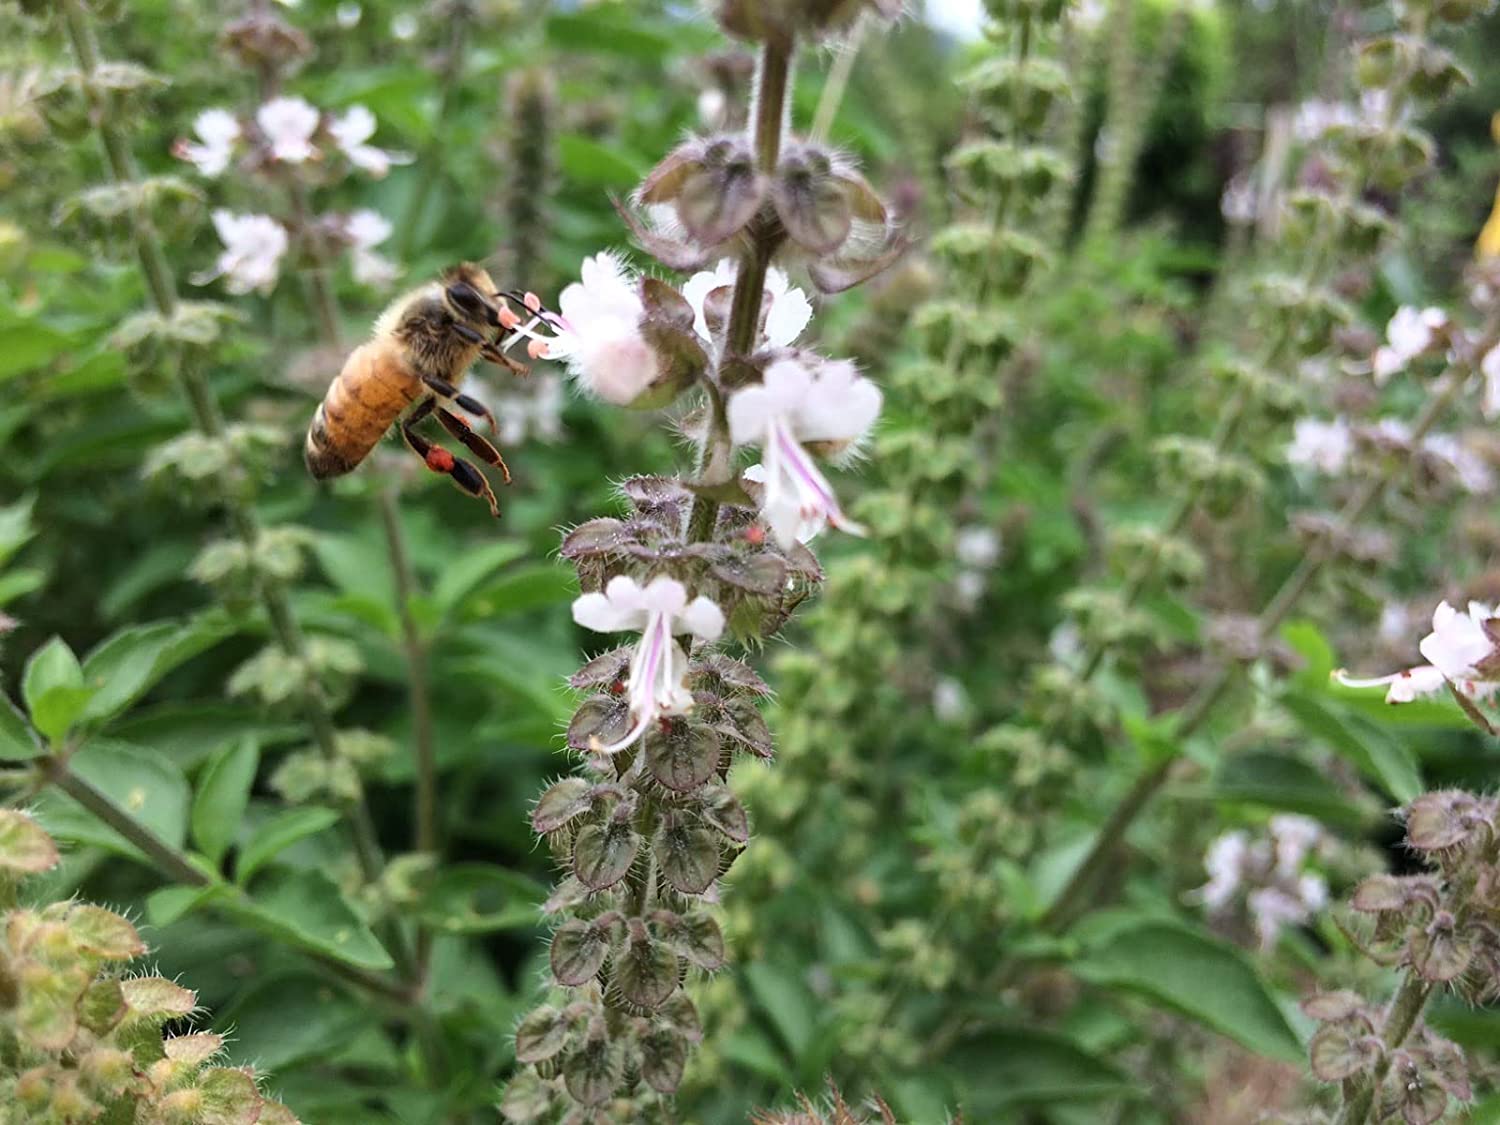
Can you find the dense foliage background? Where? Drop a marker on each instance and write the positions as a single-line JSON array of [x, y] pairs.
[[1001, 665]]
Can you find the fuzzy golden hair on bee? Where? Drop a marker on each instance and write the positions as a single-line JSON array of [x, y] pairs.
[[421, 347]]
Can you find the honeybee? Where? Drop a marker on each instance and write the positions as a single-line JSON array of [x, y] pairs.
[[420, 349]]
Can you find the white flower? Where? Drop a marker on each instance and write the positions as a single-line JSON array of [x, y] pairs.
[[351, 130], [1471, 471], [711, 105], [832, 404], [1225, 863], [1408, 335], [365, 230], [289, 124], [1459, 651], [1294, 837], [218, 130], [1272, 908], [660, 610], [1324, 446], [977, 547], [785, 308], [1489, 367], [253, 248], [969, 587], [1238, 204], [1395, 622], [809, 527], [530, 410], [599, 332], [348, 14], [404, 26], [950, 703]]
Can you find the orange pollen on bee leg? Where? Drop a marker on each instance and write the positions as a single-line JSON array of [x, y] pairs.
[[755, 535], [439, 460]]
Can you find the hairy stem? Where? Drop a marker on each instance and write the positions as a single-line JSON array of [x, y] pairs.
[[837, 83], [1400, 1018], [772, 89], [425, 818]]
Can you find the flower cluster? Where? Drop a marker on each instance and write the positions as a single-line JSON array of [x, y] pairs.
[[646, 829], [84, 1038], [1266, 875], [289, 137]]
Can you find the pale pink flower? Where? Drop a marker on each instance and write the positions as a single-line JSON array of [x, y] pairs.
[[1409, 333], [365, 230], [830, 404], [1324, 446], [253, 249], [785, 308], [1225, 863], [599, 332], [1459, 652], [660, 611], [351, 130], [217, 130], [289, 124]]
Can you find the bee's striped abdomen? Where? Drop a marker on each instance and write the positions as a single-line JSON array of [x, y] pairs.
[[370, 393]]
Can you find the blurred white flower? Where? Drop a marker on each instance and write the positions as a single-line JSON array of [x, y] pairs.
[[1459, 651], [351, 130], [1273, 908], [1238, 204], [660, 611], [831, 405], [599, 332], [969, 587], [289, 124], [1469, 468], [1324, 446], [950, 702], [1395, 622], [785, 308], [1409, 334], [1065, 645], [1225, 863], [253, 249], [365, 230], [348, 15], [404, 26], [1293, 837], [977, 547], [217, 130], [533, 411], [711, 105], [1489, 367]]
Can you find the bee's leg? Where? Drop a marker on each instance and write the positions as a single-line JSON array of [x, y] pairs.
[[473, 442], [489, 350], [470, 405], [439, 460]]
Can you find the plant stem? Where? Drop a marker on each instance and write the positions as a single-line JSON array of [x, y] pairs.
[[210, 421], [426, 830], [772, 88], [1400, 1018], [317, 278], [176, 865], [837, 82]]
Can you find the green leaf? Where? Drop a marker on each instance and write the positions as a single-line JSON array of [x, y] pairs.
[[276, 835], [460, 578], [1374, 752], [1308, 642], [18, 583], [786, 1002], [1280, 781], [125, 666], [598, 30], [17, 742], [1010, 1067], [356, 566], [290, 1019], [150, 789], [53, 688], [16, 528], [29, 345], [223, 793], [529, 587], [167, 905], [307, 909], [1198, 976], [591, 164], [479, 898]]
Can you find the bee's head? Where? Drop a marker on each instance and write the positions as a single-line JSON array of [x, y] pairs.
[[469, 295]]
